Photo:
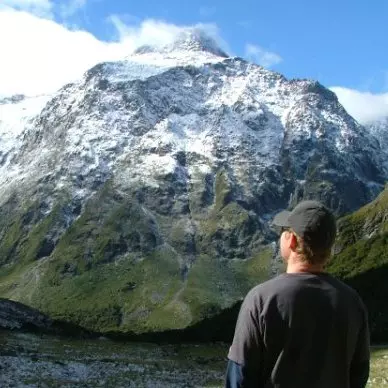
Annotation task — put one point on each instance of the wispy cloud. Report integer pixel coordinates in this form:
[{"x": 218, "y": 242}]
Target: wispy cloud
[
  {"x": 363, "y": 106},
  {"x": 148, "y": 31},
  {"x": 261, "y": 56},
  {"x": 206, "y": 11},
  {"x": 45, "y": 8},
  {"x": 42, "y": 8},
  {"x": 71, "y": 7},
  {"x": 158, "y": 32}
]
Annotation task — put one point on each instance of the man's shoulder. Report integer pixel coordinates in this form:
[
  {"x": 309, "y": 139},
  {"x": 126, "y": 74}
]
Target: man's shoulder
[
  {"x": 269, "y": 286},
  {"x": 285, "y": 283},
  {"x": 347, "y": 290}
]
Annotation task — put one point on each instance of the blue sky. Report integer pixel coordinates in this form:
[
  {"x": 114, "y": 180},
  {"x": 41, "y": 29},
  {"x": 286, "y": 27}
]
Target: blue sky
[
  {"x": 337, "y": 42},
  {"x": 340, "y": 43}
]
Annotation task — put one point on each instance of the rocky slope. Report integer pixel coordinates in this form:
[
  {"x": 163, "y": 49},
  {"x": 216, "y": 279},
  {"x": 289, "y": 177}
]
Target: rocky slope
[
  {"x": 15, "y": 316},
  {"x": 379, "y": 130},
  {"x": 28, "y": 360},
  {"x": 139, "y": 197}
]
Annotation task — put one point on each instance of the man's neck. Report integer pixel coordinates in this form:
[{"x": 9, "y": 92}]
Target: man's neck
[{"x": 297, "y": 265}]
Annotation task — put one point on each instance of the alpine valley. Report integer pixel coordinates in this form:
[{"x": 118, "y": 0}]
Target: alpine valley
[{"x": 139, "y": 198}]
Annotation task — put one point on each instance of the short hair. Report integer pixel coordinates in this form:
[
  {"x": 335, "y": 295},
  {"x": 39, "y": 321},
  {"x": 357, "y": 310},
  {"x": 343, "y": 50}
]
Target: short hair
[{"x": 309, "y": 254}]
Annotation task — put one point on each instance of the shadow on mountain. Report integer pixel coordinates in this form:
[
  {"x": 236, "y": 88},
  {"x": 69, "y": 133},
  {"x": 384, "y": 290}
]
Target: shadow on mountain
[
  {"x": 218, "y": 328},
  {"x": 372, "y": 286},
  {"x": 19, "y": 317}
]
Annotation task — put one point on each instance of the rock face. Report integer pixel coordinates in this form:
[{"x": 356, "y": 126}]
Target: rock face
[
  {"x": 139, "y": 197},
  {"x": 379, "y": 130}
]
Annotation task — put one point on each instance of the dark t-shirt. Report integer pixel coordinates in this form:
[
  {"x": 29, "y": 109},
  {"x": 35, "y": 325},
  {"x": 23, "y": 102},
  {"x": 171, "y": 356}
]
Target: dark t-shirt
[{"x": 302, "y": 330}]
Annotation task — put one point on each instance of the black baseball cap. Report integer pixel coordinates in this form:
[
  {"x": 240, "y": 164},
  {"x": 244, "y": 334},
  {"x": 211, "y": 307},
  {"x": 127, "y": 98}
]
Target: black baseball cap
[{"x": 311, "y": 221}]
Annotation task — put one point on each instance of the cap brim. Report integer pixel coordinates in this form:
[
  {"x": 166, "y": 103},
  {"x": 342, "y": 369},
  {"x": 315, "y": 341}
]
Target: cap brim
[{"x": 282, "y": 219}]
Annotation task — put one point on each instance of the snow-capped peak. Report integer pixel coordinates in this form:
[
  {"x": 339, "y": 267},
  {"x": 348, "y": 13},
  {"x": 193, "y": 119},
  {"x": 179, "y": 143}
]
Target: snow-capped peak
[
  {"x": 191, "y": 39},
  {"x": 138, "y": 120},
  {"x": 191, "y": 47}
]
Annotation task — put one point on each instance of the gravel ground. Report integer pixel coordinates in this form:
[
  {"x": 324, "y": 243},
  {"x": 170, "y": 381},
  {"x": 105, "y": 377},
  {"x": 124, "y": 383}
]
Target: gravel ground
[{"x": 28, "y": 360}]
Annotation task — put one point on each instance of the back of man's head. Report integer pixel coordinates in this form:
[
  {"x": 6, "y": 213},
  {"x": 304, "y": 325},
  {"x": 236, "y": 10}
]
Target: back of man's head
[{"x": 315, "y": 228}]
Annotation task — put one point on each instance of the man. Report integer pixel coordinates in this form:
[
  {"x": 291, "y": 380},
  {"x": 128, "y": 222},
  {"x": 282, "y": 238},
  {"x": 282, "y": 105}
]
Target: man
[{"x": 304, "y": 328}]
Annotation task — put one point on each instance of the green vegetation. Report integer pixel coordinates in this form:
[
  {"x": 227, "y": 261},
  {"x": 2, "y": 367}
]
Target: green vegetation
[
  {"x": 228, "y": 229},
  {"x": 363, "y": 239},
  {"x": 37, "y": 242},
  {"x": 213, "y": 284},
  {"x": 14, "y": 229},
  {"x": 227, "y": 218},
  {"x": 222, "y": 189},
  {"x": 122, "y": 267},
  {"x": 129, "y": 294},
  {"x": 13, "y": 234},
  {"x": 361, "y": 259}
]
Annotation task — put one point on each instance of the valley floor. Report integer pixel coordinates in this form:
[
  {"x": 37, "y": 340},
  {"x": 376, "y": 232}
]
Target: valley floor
[
  {"x": 379, "y": 367},
  {"x": 28, "y": 360}
]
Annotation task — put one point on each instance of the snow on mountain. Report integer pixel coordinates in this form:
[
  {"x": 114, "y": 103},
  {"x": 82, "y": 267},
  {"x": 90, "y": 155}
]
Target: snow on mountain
[
  {"x": 183, "y": 109},
  {"x": 191, "y": 40},
  {"x": 16, "y": 115},
  {"x": 379, "y": 130}
]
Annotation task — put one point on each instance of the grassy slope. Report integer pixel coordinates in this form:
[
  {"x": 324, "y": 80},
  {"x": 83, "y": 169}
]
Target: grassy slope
[
  {"x": 361, "y": 259},
  {"x": 363, "y": 239},
  {"x": 87, "y": 281},
  {"x": 136, "y": 295},
  {"x": 116, "y": 268}
]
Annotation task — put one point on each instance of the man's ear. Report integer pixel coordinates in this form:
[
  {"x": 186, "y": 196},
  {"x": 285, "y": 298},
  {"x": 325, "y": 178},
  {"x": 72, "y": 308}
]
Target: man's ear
[{"x": 293, "y": 242}]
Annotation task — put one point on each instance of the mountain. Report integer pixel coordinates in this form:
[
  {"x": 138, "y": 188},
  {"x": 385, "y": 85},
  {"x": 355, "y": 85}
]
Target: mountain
[
  {"x": 16, "y": 316},
  {"x": 361, "y": 259},
  {"x": 379, "y": 130},
  {"x": 139, "y": 198}
]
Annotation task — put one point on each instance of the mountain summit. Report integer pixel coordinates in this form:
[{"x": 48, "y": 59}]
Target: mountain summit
[{"x": 190, "y": 39}]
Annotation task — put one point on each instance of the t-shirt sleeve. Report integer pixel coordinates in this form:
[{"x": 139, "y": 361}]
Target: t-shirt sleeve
[{"x": 247, "y": 346}]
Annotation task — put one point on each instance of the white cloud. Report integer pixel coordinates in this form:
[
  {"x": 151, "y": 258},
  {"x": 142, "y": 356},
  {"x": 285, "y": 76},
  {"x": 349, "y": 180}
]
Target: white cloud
[
  {"x": 41, "y": 55},
  {"x": 261, "y": 56},
  {"x": 149, "y": 31},
  {"x": 158, "y": 32},
  {"x": 41, "y": 8},
  {"x": 363, "y": 106}
]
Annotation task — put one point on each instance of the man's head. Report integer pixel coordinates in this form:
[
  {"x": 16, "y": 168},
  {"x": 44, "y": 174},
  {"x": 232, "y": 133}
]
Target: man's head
[{"x": 309, "y": 231}]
